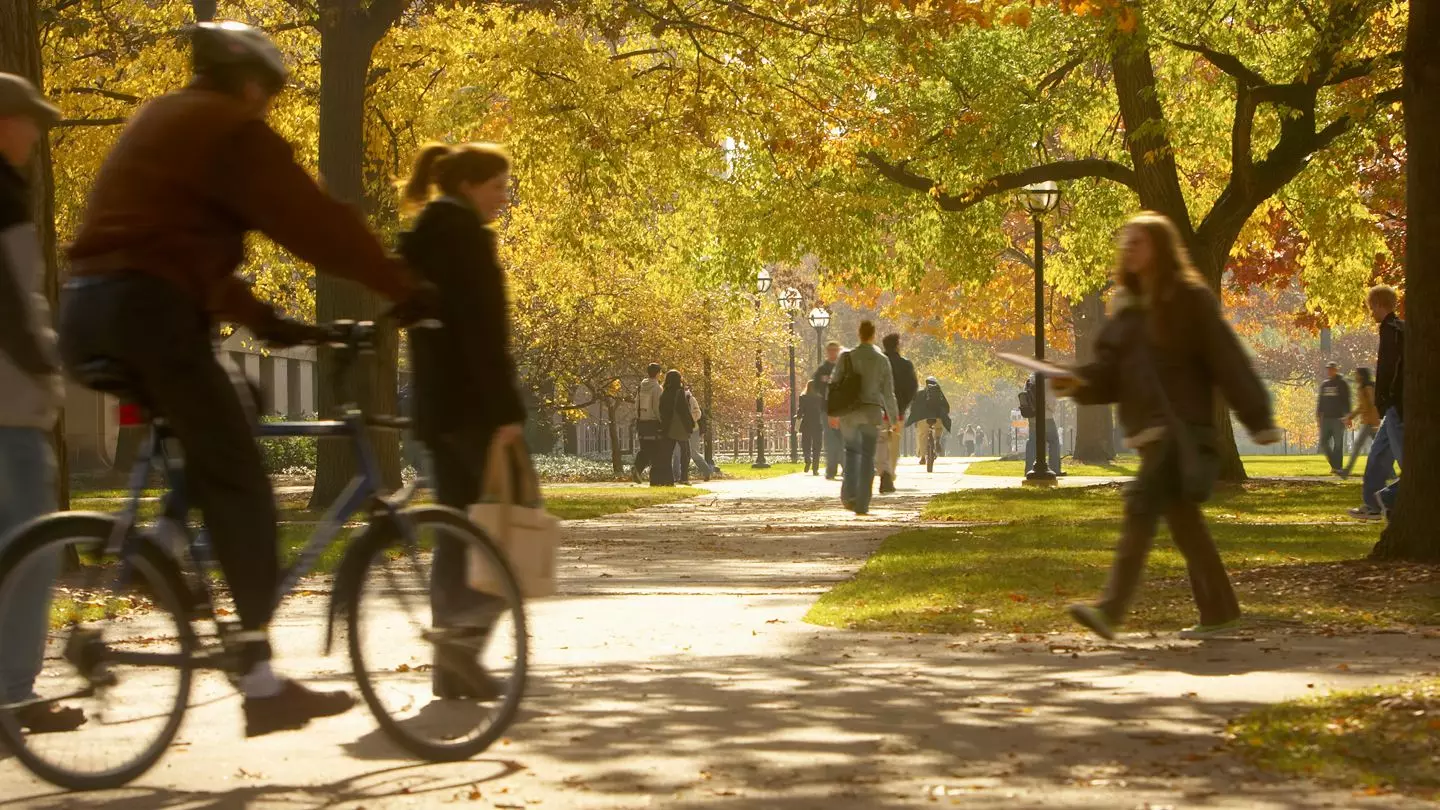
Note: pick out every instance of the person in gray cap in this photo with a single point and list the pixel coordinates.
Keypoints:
(1331, 409)
(30, 378)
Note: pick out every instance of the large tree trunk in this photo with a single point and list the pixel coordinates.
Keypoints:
(347, 40)
(1159, 188)
(20, 54)
(1094, 427)
(1411, 533)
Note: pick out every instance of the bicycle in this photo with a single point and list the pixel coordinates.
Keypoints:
(133, 625)
(932, 444)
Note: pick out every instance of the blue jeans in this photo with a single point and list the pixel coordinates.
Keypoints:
(860, 441)
(1385, 452)
(1332, 441)
(27, 491)
(1052, 447)
(834, 450)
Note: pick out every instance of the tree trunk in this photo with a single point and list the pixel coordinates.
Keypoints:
(1094, 427)
(20, 54)
(617, 459)
(347, 40)
(1411, 534)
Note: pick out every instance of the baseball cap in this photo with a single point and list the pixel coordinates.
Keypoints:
(19, 97)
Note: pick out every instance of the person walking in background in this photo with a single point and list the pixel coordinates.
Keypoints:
(812, 426)
(1161, 356)
(874, 409)
(675, 426)
(906, 386)
(930, 413)
(683, 454)
(1386, 451)
(1364, 411)
(834, 442)
(1052, 431)
(1331, 410)
(30, 372)
(466, 390)
(647, 420)
(969, 440)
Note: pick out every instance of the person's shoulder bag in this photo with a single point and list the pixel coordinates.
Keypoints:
(844, 395)
(513, 516)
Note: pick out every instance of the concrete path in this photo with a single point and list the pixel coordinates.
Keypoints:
(675, 671)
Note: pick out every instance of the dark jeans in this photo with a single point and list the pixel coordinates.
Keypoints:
(1052, 446)
(162, 338)
(680, 461)
(1332, 442)
(646, 455)
(811, 440)
(662, 472)
(457, 465)
(1156, 493)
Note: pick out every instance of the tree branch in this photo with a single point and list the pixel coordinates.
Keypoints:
(1227, 63)
(98, 91)
(70, 123)
(1060, 170)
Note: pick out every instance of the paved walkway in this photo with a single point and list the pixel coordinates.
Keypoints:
(675, 671)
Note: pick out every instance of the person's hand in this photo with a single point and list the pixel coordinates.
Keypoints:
(1268, 436)
(508, 434)
(1065, 386)
(283, 332)
(423, 304)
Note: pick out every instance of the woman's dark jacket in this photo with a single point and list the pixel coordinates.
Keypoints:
(812, 412)
(464, 377)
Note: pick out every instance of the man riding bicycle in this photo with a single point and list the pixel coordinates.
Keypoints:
(930, 410)
(154, 266)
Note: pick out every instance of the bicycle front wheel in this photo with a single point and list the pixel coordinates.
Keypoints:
(117, 647)
(442, 667)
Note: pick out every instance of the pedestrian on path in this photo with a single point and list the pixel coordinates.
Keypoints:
(873, 409)
(30, 374)
(1331, 408)
(834, 442)
(1161, 356)
(906, 386)
(812, 426)
(683, 453)
(675, 426)
(1364, 411)
(467, 392)
(1376, 498)
(647, 420)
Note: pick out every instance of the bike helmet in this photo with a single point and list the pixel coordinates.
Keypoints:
(225, 49)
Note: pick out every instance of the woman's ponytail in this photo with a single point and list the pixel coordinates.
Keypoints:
(422, 177)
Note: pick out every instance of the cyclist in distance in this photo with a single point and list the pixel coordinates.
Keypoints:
(930, 406)
(153, 268)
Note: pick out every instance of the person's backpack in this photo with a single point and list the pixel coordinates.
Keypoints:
(844, 395)
(1027, 401)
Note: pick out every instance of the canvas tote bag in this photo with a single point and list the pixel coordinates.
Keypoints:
(511, 514)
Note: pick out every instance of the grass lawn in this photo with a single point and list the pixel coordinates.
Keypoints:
(1031, 552)
(1380, 740)
(743, 471)
(1263, 466)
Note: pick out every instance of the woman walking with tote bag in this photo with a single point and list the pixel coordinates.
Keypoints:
(465, 389)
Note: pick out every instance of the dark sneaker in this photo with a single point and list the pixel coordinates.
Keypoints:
(48, 718)
(1203, 631)
(292, 708)
(1093, 619)
(887, 483)
(459, 676)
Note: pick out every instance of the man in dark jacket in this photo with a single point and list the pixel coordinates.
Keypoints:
(30, 377)
(929, 404)
(1389, 444)
(834, 442)
(1331, 408)
(153, 267)
(906, 385)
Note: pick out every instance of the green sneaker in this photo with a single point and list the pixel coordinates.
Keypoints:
(1093, 619)
(1211, 630)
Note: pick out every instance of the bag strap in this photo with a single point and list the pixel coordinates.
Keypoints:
(510, 477)
(499, 486)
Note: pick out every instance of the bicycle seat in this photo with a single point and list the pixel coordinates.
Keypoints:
(106, 375)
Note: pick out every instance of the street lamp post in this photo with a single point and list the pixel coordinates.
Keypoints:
(762, 286)
(790, 301)
(1040, 199)
(819, 319)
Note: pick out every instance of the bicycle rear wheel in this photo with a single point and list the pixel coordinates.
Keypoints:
(396, 648)
(119, 648)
